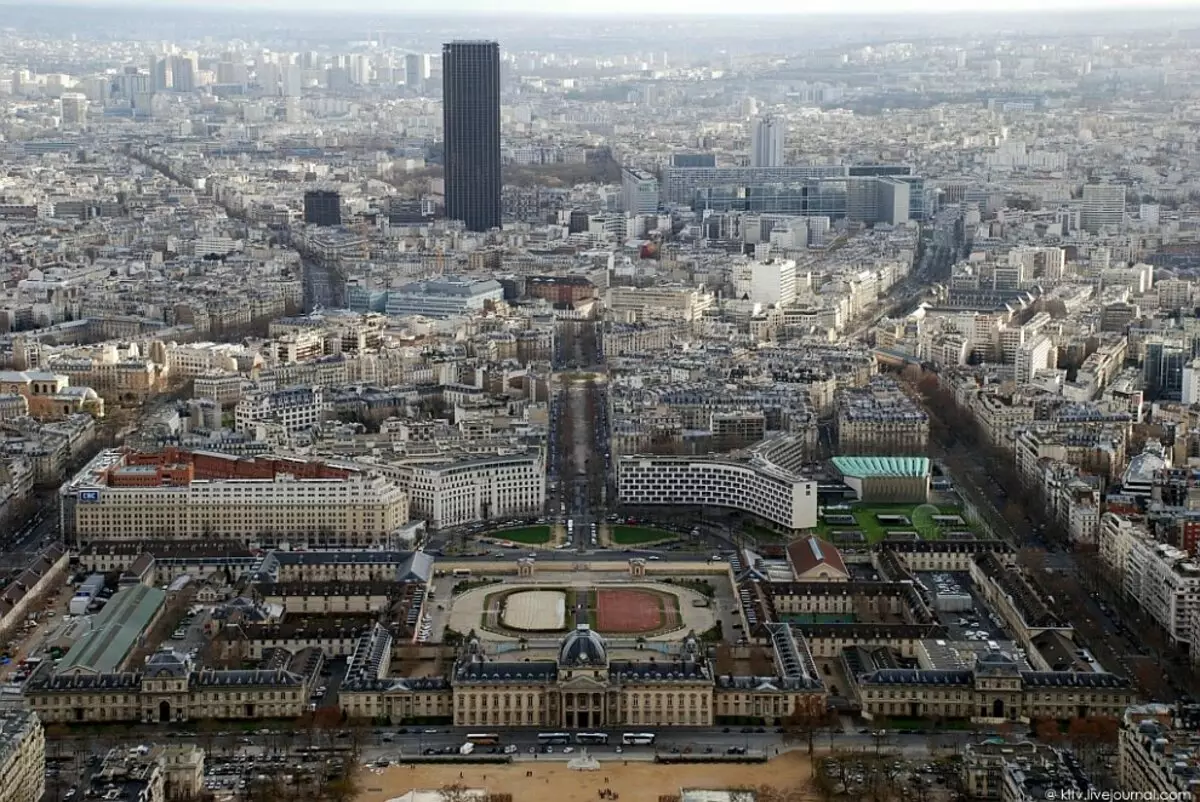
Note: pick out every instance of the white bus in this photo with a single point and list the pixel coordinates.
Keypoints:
(461, 572)
(553, 738)
(637, 738)
(591, 737)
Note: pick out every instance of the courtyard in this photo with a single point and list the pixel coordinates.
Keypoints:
(518, 609)
(552, 781)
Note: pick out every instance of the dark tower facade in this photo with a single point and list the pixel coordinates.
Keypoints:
(471, 120)
(322, 207)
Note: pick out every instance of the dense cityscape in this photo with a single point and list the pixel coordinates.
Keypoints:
(685, 408)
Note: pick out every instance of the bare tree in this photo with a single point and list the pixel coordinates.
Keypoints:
(809, 716)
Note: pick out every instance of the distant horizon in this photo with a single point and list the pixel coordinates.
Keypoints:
(626, 8)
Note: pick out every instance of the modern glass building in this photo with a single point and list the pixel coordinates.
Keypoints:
(471, 119)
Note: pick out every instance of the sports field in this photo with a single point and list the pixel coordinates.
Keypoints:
(630, 611)
(535, 610)
(552, 781)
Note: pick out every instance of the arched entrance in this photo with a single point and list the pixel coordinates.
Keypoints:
(164, 711)
(998, 708)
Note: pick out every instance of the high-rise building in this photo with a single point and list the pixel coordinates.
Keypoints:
(184, 69)
(1103, 205)
(471, 120)
(766, 147)
(322, 207)
(416, 70)
(291, 80)
(74, 109)
(639, 191)
(160, 74)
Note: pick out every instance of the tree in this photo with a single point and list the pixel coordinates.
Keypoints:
(326, 722)
(808, 717)
(457, 792)
(1089, 736)
(1047, 731)
(769, 793)
(343, 789)
(823, 786)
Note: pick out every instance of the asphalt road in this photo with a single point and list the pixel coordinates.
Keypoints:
(388, 744)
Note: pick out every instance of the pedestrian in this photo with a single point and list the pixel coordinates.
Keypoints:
(460, 775)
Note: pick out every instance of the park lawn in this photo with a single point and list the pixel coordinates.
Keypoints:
(531, 535)
(639, 535)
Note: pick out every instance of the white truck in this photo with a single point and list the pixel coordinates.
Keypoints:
(466, 749)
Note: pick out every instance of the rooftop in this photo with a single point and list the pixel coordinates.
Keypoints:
(114, 631)
(871, 467)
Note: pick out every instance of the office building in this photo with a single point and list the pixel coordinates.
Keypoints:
(1103, 206)
(1162, 368)
(639, 191)
(462, 491)
(200, 496)
(766, 144)
(693, 160)
(771, 282)
(680, 184)
(291, 81)
(74, 109)
(184, 69)
(1191, 383)
(416, 70)
(322, 208)
(443, 298)
(22, 757)
(471, 120)
(822, 191)
(755, 486)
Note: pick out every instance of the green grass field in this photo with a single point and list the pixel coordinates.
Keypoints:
(531, 535)
(639, 535)
(865, 514)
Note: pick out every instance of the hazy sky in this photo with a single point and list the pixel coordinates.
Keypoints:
(640, 7)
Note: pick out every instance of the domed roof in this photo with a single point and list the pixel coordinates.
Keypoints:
(583, 647)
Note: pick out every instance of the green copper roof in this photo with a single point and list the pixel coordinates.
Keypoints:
(864, 467)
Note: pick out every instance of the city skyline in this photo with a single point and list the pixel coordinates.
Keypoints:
(766, 8)
(389, 384)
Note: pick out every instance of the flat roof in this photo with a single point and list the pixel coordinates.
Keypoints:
(867, 467)
(114, 630)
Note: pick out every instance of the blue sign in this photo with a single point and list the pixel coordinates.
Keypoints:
(89, 495)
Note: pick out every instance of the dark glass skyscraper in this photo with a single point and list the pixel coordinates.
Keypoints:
(471, 119)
